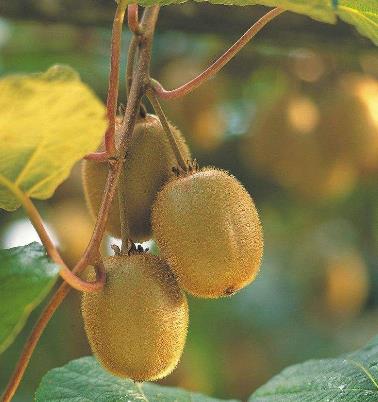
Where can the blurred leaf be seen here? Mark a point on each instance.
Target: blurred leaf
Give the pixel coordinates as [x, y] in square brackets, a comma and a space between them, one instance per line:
[362, 14]
[320, 10]
[26, 276]
[85, 380]
[353, 378]
[48, 122]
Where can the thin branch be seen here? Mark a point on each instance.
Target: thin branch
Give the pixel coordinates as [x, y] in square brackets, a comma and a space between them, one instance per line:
[164, 122]
[133, 19]
[72, 279]
[37, 222]
[131, 56]
[219, 63]
[91, 255]
[37, 331]
[131, 59]
[112, 100]
[33, 339]
[132, 109]
[102, 156]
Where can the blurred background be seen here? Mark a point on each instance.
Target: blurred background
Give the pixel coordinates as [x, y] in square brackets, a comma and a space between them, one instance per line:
[295, 118]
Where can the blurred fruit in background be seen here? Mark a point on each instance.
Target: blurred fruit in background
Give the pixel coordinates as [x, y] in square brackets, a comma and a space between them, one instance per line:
[317, 145]
[73, 227]
[198, 114]
[346, 286]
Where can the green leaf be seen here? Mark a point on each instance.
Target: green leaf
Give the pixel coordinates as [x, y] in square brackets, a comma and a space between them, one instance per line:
[26, 276]
[320, 10]
[84, 380]
[363, 14]
[48, 122]
[349, 378]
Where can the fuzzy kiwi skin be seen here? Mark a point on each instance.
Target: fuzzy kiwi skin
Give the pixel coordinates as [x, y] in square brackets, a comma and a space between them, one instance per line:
[208, 229]
[148, 167]
[137, 324]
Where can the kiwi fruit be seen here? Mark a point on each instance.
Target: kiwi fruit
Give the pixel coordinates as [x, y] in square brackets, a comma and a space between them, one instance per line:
[208, 229]
[148, 165]
[137, 324]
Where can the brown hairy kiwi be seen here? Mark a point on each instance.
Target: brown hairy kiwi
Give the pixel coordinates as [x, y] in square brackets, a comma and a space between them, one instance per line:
[137, 324]
[208, 229]
[148, 167]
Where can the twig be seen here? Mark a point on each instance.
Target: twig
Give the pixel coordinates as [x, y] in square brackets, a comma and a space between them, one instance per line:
[113, 87]
[138, 87]
[97, 156]
[131, 55]
[72, 279]
[133, 19]
[53, 253]
[164, 122]
[219, 63]
[111, 103]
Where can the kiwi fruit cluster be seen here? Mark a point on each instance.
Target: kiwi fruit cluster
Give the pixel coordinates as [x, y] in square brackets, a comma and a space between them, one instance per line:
[210, 240]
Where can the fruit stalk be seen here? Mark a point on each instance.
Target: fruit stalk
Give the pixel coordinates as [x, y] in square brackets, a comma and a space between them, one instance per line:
[163, 120]
[122, 202]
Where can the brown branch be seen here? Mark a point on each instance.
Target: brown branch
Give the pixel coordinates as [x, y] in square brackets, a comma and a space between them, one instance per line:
[33, 339]
[73, 280]
[219, 63]
[102, 156]
[137, 90]
[131, 55]
[49, 245]
[112, 100]
[133, 19]
[91, 254]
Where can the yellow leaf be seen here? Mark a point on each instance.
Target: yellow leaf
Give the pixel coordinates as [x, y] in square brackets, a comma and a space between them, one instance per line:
[48, 122]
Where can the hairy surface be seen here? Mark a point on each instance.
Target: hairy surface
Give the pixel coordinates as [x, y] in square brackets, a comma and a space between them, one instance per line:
[148, 167]
[137, 324]
[208, 229]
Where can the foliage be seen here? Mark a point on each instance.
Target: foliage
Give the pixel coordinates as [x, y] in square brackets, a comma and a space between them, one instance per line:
[85, 380]
[362, 14]
[48, 122]
[352, 377]
[26, 276]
